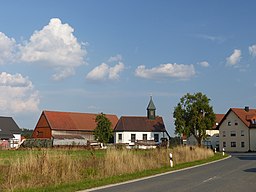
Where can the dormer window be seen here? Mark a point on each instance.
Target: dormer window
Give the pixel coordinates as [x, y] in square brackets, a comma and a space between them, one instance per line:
[253, 121]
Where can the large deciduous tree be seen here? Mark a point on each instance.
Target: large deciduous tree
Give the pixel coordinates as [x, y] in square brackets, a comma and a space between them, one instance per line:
[103, 132]
[193, 116]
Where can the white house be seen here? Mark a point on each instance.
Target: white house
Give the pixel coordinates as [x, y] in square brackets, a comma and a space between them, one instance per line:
[145, 132]
[10, 133]
[237, 130]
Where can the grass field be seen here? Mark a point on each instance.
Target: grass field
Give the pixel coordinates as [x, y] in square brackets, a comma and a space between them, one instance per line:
[71, 170]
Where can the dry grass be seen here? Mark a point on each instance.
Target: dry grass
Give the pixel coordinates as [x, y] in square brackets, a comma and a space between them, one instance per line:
[49, 168]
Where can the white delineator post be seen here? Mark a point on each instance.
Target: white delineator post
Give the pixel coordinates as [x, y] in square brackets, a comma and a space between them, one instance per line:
[223, 151]
[215, 150]
[171, 160]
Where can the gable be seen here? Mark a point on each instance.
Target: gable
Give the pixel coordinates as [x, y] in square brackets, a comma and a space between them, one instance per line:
[245, 117]
[42, 122]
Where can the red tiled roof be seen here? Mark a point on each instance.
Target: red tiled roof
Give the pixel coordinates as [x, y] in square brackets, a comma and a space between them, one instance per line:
[245, 116]
[218, 119]
[140, 124]
[75, 121]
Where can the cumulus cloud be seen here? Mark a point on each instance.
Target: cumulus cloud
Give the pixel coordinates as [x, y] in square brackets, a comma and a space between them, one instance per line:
[180, 71]
[17, 94]
[234, 58]
[204, 64]
[105, 71]
[7, 49]
[56, 46]
[252, 50]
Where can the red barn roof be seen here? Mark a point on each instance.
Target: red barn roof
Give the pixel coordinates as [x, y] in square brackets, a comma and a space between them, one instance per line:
[74, 121]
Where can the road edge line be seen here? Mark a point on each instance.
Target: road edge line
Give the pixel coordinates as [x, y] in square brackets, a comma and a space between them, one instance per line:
[152, 176]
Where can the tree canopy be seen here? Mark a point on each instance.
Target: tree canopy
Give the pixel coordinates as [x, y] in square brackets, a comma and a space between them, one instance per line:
[103, 131]
[193, 116]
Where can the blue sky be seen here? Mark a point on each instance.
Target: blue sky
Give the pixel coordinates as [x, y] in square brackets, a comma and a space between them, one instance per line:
[110, 56]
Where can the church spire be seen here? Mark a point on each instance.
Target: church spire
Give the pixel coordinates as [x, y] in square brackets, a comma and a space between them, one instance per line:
[151, 109]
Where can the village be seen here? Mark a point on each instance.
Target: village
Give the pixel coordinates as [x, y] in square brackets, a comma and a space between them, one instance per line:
[232, 132]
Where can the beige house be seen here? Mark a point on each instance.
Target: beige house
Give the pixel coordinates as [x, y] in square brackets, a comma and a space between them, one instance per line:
[237, 130]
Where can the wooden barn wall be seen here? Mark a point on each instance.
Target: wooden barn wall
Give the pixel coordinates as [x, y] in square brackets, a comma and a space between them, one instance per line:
[42, 129]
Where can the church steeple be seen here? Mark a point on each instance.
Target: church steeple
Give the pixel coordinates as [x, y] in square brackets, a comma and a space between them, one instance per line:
[151, 110]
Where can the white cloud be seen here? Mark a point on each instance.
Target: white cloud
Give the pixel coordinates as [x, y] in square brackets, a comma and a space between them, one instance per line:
[234, 58]
[204, 64]
[56, 46]
[98, 73]
[252, 50]
[105, 71]
[115, 58]
[7, 49]
[180, 71]
[17, 94]
[114, 71]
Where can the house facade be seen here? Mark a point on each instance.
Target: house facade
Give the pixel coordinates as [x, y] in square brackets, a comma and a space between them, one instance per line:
[68, 128]
[142, 131]
[10, 133]
[237, 130]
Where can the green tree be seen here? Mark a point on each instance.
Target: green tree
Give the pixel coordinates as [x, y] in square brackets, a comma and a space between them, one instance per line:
[193, 116]
[103, 132]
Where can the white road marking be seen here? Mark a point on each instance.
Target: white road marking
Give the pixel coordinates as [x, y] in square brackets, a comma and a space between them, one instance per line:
[211, 178]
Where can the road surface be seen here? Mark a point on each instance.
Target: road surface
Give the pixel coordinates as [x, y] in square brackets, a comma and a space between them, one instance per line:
[235, 174]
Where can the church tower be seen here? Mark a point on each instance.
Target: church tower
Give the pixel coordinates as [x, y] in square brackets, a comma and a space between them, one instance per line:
[151, 110]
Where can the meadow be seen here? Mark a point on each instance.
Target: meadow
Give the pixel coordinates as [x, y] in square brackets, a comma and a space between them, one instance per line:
[74, 169]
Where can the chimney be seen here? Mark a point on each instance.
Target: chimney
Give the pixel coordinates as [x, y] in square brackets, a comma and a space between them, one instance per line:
[246, 108]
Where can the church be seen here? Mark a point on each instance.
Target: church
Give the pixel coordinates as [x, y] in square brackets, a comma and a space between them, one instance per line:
[136, 130]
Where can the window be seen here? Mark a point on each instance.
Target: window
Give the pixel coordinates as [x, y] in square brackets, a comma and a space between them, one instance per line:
[233, 133]
[236, 123]
[119, 137]
[229, 123]
[156, 137]
[242, 144]
[224, 144]
[233, 144]
[39, 134]
[224, 133]
[144, 137]
[133, 137]
[242, 133]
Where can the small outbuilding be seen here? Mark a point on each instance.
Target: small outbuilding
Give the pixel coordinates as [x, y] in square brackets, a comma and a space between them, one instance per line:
[68, 128]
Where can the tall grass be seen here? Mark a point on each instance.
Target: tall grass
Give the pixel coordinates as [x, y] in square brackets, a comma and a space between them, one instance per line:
[49, 168]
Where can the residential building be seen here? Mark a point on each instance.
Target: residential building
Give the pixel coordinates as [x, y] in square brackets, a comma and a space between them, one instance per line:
[146, 131]
[237, 130]
[10, 133]
[68, 128]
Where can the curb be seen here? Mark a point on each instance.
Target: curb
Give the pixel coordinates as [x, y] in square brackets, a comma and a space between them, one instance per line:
[152, 176]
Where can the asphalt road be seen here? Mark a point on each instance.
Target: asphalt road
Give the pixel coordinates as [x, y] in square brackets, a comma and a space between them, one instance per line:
[235, 174]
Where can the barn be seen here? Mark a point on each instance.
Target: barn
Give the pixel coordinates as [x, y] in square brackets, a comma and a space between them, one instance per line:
[68, 128]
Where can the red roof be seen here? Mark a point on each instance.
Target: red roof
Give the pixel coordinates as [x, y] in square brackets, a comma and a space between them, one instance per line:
[75, 121]
[126, 123]
[245, 116]
[218, 119]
